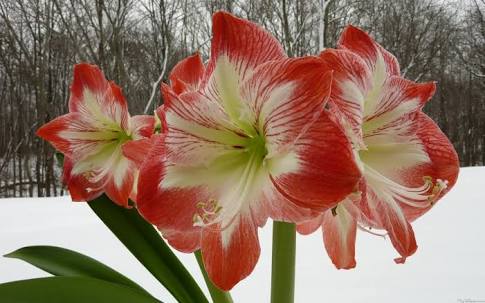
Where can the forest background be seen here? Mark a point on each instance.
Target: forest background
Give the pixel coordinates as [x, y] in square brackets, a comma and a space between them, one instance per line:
[137, 42]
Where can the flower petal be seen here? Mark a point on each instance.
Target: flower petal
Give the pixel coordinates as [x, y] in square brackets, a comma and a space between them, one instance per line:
[390, 133]
[97, 99]
[339, 228]
[285, 97]
[170, 209]
[245, 44]
[352, 79]
[186, 242]
[160, 115]
[121, 181]
[379, 60]
[53, 130]
[310, 226]
[230, 255]
[323, 168]
[443, 164]
[78, 185]
[384, 210]
[137, 150]
[198, 130]
[142, 126]
[76, 137]
[186, 75]
[278, 208]
[396, 101]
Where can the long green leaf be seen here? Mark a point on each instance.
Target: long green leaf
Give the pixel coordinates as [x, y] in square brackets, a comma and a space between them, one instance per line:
[148, 247]
[64, 262]
[70, 289]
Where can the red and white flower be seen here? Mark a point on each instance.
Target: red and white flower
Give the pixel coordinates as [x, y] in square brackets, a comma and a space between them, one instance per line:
[246, 139]
[407, 162]
[91, 136]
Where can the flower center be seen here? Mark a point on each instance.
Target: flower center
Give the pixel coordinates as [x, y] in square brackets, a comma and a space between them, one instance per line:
[256, 146]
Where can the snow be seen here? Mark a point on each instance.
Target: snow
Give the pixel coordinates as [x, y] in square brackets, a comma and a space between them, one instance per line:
[449, 265]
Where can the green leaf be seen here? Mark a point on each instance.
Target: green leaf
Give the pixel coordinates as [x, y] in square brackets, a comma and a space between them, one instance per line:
[146, 244]
[70, 289]
[64, 262]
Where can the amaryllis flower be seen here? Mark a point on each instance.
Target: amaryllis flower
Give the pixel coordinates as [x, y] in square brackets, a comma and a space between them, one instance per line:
[91, 135]
[407, 162]
[247, 140]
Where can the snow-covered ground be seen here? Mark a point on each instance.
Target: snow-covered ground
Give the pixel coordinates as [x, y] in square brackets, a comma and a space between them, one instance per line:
[449, 265]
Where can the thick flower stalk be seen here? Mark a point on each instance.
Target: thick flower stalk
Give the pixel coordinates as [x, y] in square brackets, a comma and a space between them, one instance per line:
[91, 136]
[407, 163]
[245, 138]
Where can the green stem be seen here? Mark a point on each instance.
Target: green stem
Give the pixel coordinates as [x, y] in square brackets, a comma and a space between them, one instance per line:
[218, 296]
[283, 266]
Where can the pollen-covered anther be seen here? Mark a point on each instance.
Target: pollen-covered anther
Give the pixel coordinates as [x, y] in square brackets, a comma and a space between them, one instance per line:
[206, 213]
[89, 174]
[438, 187]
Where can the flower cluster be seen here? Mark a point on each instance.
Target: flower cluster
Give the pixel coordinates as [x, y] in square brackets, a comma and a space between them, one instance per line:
[337, 141]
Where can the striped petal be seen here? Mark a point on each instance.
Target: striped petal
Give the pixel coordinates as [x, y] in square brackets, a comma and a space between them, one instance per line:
[198, 130]
[121, 181]
[187, 75]
[352, 80]
[228, 261]
[382, 200]
[443, 167]
[78, 185]
[339, 227]
[324, 168]
[137, 150]
[170, 209]
[382, 63]
[97, 99]
[245, 44]
[141, 126]
[390, 132]
[288, 98]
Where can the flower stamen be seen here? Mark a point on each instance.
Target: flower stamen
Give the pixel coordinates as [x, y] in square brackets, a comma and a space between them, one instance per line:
[207, 213]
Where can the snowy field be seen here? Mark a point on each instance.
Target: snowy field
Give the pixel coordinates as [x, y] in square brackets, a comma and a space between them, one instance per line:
[449, 265]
